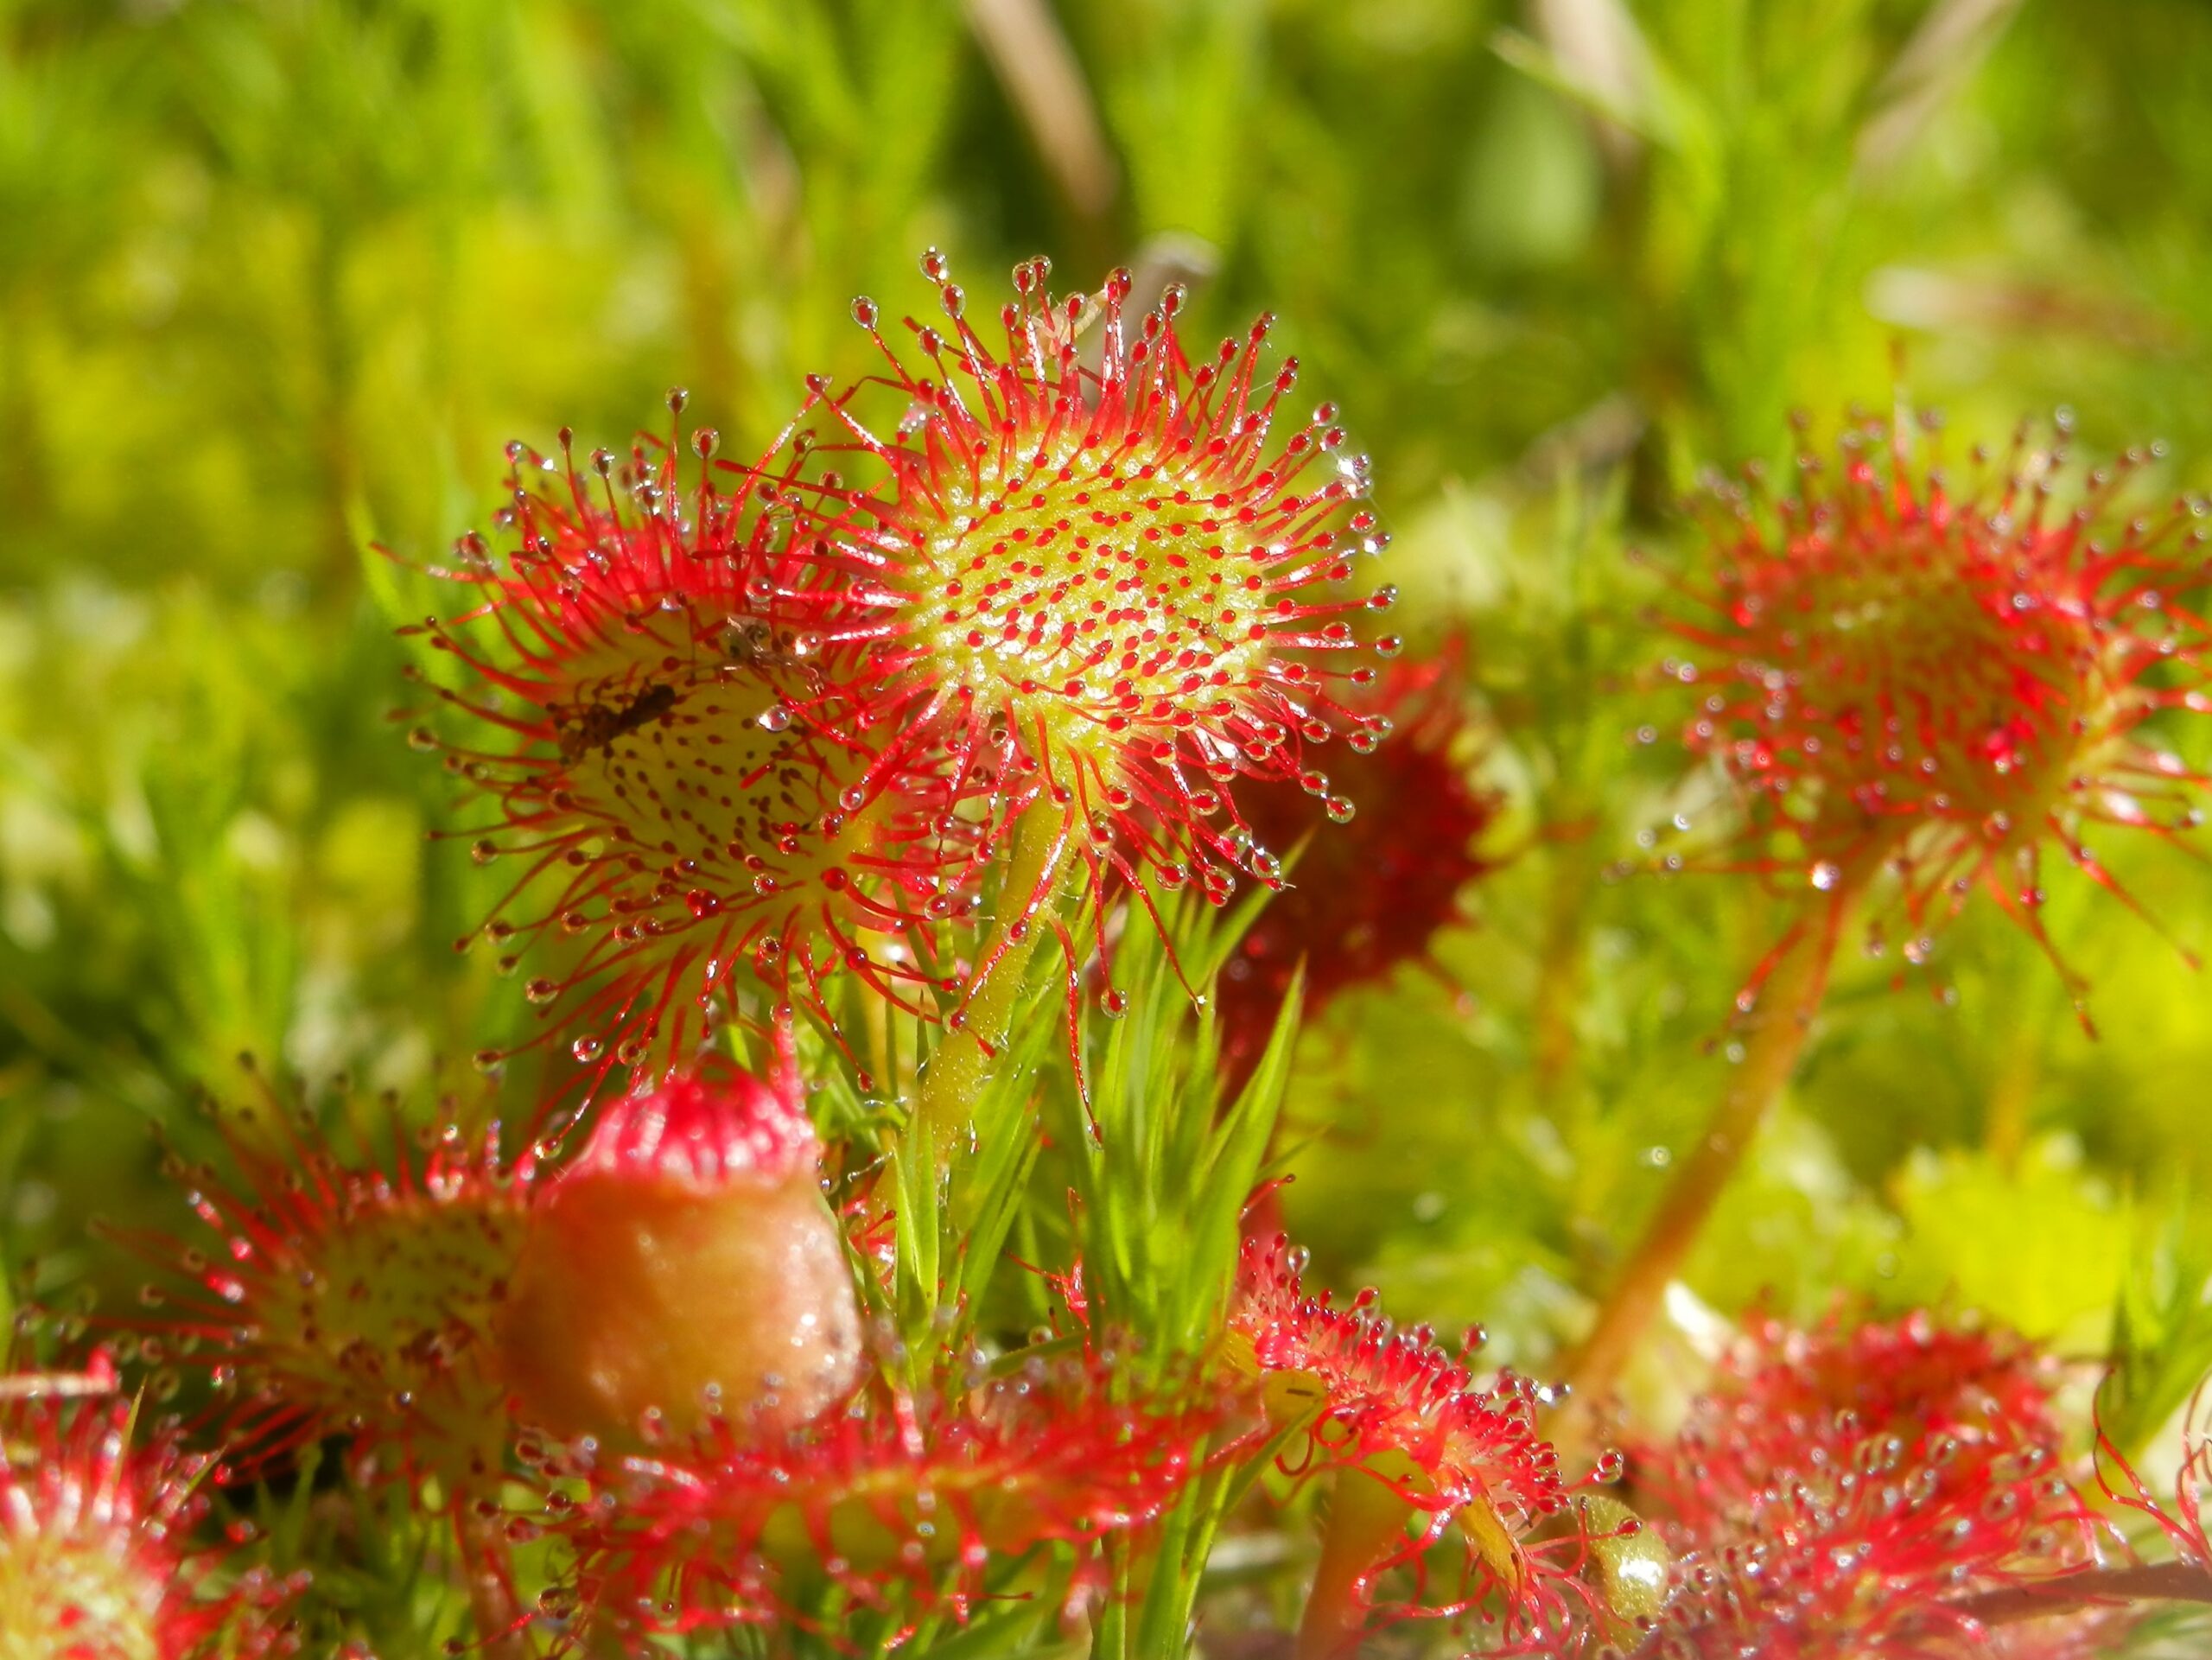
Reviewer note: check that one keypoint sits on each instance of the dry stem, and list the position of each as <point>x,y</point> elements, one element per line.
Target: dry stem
<point>2159,1581</point>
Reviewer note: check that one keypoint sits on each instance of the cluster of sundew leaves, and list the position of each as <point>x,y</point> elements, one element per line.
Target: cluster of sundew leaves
<point>369,1296</point>
<point>1371,1400</point>
<point>1852,1486</point>
<point>98,1552</point>
<point>782,722</point>
<point>1900,677</point>
<point>1381,1398</point>
<point>1708,348</point>
<point>1452,1448</point>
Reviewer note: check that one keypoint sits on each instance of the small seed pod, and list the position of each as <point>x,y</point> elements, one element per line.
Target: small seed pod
<point>684,1266</point>
<point>1629,1561</point>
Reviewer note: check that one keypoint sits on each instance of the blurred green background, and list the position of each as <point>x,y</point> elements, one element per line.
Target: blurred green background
<point>278,278</point>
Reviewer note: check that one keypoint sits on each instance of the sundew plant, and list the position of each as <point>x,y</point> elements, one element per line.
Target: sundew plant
<point>1244,829</point>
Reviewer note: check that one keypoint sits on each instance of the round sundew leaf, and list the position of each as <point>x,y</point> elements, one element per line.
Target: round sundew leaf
<point>692,783</point>
<point>1840,1485</point>
<point>1115,585</point>
<point>347,1296</point>
<point>1946,682</point>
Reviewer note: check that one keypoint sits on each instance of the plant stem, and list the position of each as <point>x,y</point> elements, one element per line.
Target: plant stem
<point>959,1065</point>
<point>2010,1118</point>
<point>1367,1523</point>
<point>1787,1003</point>
<point>2161,1581</point>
